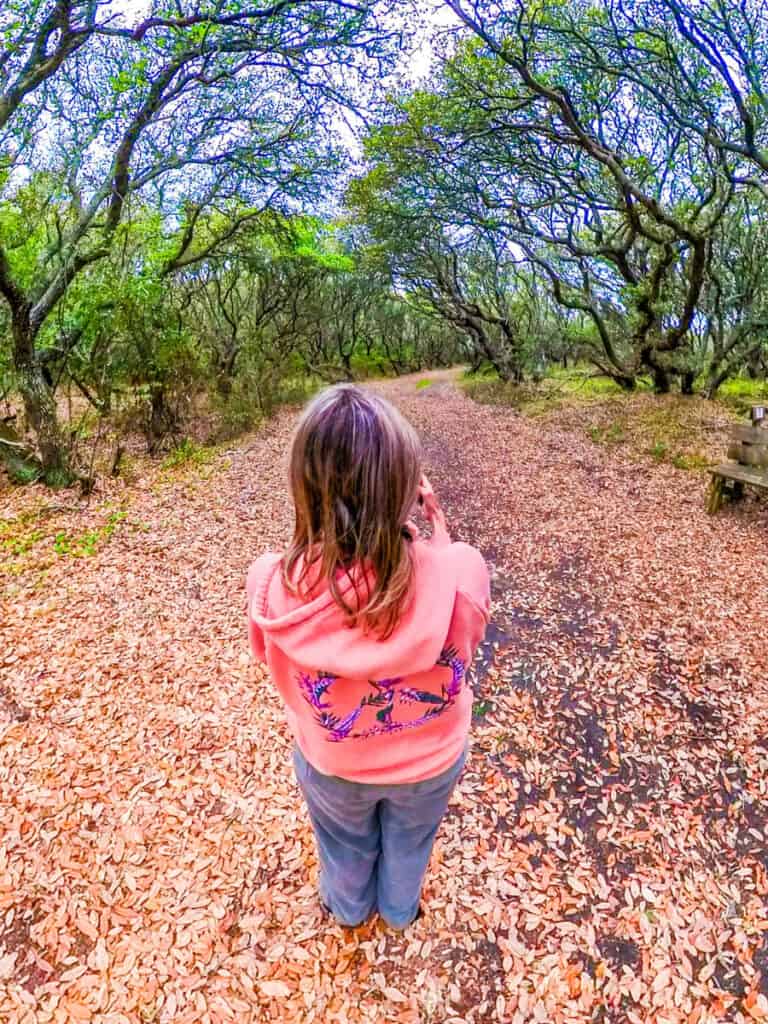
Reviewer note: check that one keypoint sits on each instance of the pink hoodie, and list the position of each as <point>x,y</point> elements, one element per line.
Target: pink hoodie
<point>369,710</point>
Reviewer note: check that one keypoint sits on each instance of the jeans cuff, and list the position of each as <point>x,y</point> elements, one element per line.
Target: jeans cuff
<point>398,921</point>
<point>326,902</point>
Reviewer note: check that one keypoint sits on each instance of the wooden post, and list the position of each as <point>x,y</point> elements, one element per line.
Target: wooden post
<point>715,501</point>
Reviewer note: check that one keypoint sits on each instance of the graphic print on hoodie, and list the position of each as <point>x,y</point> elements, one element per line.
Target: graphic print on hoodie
<point>370,710</point>
<point>383,696</point>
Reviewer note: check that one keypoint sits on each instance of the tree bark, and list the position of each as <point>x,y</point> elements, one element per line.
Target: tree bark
<point>756,363</point>
<point>162,418</point>
<point>661,382</point>
<point>39,402</point>
<point>225,371</point>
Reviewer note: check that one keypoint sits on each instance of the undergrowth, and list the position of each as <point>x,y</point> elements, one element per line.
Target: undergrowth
<point>560,388</point>
<point>30,541</point>
<point>689,433</point>
<point>740,393</point>
<point>188,454</point>
<point>83,545</point>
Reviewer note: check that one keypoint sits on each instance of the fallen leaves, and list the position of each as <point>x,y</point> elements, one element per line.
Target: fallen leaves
<point>275,989</point>
<point>604,855</point>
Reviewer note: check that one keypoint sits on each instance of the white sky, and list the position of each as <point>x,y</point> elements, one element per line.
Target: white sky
<point>434,16</point>
<point>133,9</point>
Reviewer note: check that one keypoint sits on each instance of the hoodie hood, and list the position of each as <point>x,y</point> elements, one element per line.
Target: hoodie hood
<point>315,634</point>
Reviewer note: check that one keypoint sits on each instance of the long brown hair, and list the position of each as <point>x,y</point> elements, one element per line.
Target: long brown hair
<point>354,475</point>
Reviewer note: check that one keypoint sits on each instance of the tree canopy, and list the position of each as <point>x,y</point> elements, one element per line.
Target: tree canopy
<point>583,178</point>
<point>613,153</point>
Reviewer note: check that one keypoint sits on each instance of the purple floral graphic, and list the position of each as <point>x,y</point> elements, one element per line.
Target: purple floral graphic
<point>338,728</point>
<point>451,659</point>
<point>315,689</point>
<point>385,695</point>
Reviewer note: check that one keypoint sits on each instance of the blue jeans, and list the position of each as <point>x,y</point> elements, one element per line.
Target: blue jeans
<point>373,842</point>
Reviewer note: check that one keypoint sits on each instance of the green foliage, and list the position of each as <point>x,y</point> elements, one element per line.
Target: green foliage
<point>481,708</point>
<point>18,543</point>
<point>662,452</point>
<point>421,384</point>
<point>56,478</point>
<point>87,543</point>
<point>187,455</point>
<point>298,390</point>
<point>575,386</point>
<point>236,413</point>
<point>366,365</point>
<point>583,382</point>
<point>21,471</point>
<point>27,536</point>
<point>613,434</point>
<point>131,78</point>
<point>312,240</point>
<point>690,462</point>
<point>247,405</point>
<point>107,215</point>
<point>18,538</point>
<point>526,150</point>
<point>741,393</point>
<point>482,227</point>
<point>284,305</point>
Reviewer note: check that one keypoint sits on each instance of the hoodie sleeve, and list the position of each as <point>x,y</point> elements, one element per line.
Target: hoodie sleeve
<point>259,577</point>
<point>474,585</point>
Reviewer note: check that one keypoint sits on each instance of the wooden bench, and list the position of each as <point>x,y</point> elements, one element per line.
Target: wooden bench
<point>749,450</point>
<point>737,476</point>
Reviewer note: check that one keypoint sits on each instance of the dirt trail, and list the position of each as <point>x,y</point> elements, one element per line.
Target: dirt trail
<point>606,857</point>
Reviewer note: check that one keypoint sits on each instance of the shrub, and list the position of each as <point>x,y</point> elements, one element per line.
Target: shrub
<point>188,453</point>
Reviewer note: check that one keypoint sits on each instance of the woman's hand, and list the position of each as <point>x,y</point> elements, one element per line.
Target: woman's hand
<point>431,508</point>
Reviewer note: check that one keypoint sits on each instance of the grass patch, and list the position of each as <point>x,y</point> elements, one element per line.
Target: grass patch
<point>584,382</point>
<point>187,455</point>
<point>659,451</point>
<point>421,384</point>
<point>577,386</point>
<point>524,398</point>
<point>670,430</point>
<point>611,434</point>
<point>18,536</point>
<point>24,473</point>
<point>85,544</point>
<point>740,393</point>
<point>691,462</point>
<point>689,433</point>
<point>58,479</point>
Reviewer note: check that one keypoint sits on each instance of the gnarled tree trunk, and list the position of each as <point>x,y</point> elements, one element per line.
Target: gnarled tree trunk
<point>39,401</point>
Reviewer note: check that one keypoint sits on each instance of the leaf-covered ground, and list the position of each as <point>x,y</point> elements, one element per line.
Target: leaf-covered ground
<point>605,857</point>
